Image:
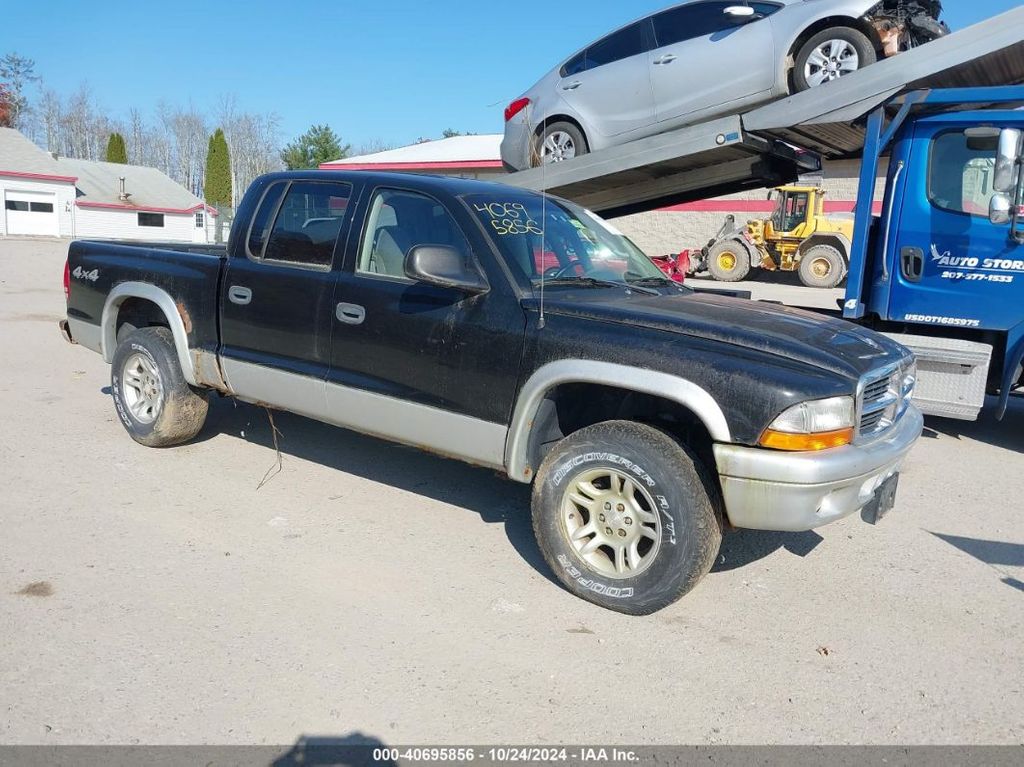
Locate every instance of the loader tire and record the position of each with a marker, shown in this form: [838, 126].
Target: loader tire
[729, 261]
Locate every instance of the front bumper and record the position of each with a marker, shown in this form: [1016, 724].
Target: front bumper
[774, 490]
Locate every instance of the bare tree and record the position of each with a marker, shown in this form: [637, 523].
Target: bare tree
[253, 141]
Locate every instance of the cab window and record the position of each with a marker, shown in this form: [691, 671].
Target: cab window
[960, 174]
[308, 223]
[400, 220]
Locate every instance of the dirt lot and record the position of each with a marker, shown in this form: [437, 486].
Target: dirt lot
[157, 596]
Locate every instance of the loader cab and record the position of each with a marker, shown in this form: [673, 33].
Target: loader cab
[794, 207]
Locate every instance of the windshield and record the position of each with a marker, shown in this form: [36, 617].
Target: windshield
[559, 240]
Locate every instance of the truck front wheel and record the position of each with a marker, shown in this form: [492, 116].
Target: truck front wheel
[822, 266]
[156, 405]
[626, 517]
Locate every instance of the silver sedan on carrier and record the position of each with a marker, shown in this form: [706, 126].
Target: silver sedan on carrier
[699, 60]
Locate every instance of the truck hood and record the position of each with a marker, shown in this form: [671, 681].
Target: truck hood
[824, 342]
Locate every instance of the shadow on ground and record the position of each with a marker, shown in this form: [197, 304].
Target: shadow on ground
[1008, 433]
[352, 750]
[996, 554]
[496, 499]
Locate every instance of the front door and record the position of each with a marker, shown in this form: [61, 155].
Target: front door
[951, 265]
[423, 364]
[277, 308]
[703, 58]
[609, 85]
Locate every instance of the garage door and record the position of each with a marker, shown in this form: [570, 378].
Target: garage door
[31, 213]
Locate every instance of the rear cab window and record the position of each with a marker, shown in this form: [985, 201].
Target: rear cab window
[307, 219]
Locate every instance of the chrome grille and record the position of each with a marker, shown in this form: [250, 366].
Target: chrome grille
[884, 396]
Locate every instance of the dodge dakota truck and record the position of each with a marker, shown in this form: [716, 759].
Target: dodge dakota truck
[517, 332]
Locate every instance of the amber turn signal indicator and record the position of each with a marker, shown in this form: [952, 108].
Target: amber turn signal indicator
[780, 440]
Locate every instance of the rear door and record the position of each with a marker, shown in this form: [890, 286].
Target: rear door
[705, 61]
[277, 305]
[609, 84]
[951, 265]
[416, 362]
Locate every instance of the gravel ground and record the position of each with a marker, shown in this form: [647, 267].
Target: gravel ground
[158, 596]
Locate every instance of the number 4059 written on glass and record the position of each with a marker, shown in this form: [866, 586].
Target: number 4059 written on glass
[509, 218]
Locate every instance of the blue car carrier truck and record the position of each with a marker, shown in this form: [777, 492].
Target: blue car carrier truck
[942, 269]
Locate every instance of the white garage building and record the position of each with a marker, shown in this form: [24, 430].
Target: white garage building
[48, 197]
[38, 195]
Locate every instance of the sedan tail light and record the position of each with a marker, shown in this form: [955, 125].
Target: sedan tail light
[516, 107]
[67, 281]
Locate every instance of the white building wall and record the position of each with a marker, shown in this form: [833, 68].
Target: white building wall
[65, 192]
[110, 224]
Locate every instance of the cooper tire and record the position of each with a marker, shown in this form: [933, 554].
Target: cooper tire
[822, 266]
[670, 494]
[858, 52]
[729, 261]
[555, 135]
[155, 404]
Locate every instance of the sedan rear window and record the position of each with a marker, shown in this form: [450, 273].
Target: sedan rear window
[617, 46]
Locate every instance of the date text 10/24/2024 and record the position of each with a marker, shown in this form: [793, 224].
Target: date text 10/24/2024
[595, 754]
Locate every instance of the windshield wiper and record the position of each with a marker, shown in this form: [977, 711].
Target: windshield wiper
[594, 282]
[652, 281]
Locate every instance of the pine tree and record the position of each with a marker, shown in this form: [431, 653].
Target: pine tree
[117, 150]
[318, 145]
[217, 189]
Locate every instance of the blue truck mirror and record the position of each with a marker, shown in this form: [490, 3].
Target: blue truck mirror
[1007, 159]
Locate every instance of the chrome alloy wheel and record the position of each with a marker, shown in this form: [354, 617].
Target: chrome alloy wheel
[557, 146]
[141, 388]
[611, 522]
[830, 61]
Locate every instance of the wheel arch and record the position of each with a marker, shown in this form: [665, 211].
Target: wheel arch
[860, 24]
[837, 240]
[137, 294]
[536, 413]
[560, 118]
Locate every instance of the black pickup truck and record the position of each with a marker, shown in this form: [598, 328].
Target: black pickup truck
[517, 332]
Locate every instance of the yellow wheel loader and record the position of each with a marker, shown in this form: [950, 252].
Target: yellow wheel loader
[797, 237]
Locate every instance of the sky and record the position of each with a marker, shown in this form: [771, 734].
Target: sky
[388, 70]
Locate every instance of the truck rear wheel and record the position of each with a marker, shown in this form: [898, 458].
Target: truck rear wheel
[822, 266]
[626, 517]
[157, 407]
[729, 261]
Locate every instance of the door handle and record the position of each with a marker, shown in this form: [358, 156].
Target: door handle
[239, 294]
[912, 263]
[668, 58]
[350, 314]
[572, 86]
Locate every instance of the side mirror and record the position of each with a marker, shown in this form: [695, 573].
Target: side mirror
[740, 12]
[999, 209]
[1007, 158]
[444, 267]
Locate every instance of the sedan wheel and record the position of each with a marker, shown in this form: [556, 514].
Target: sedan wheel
[557, 147]
[560, 141]
[830, 61]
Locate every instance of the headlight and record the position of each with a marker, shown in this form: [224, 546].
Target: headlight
[816, 425]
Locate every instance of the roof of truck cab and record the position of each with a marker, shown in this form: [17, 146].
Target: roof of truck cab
[450, 184]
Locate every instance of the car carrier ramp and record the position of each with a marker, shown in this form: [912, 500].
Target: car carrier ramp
[759, 148]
